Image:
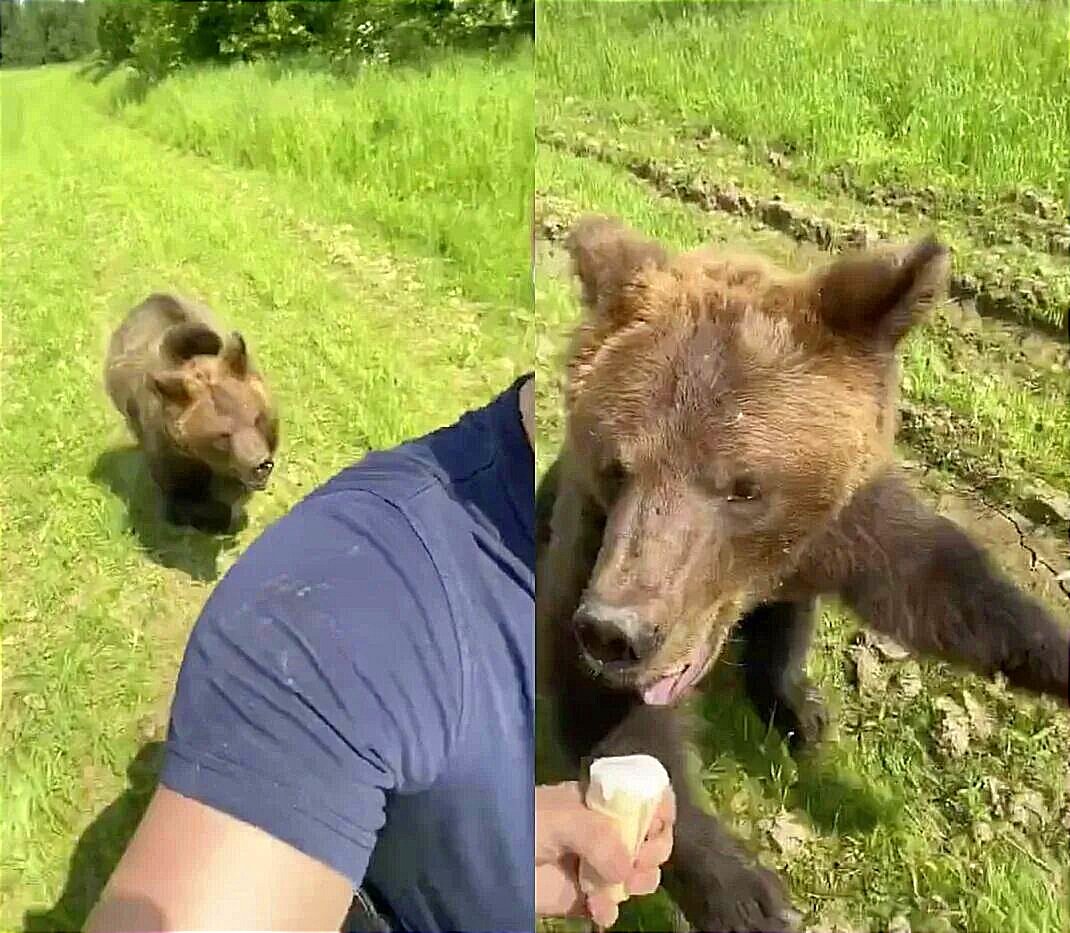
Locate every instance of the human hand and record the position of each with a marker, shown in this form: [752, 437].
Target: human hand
[566, 832]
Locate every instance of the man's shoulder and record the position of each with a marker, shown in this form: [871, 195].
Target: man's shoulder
[352, 536]
[385, 521]
[436, 462]
[392, 478]
[331, 641]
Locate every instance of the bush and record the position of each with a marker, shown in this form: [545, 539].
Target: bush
[158, 37]
[116, 31]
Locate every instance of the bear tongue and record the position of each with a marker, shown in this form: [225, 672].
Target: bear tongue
[668, 689]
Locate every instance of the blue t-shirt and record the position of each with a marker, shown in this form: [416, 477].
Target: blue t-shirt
[361, 683]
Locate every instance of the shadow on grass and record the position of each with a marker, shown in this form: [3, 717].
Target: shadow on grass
[100, 848]
[124, 474]
[133, 90]
[834, 798]
[96, 70]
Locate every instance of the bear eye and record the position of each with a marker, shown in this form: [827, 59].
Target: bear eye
[744, 489]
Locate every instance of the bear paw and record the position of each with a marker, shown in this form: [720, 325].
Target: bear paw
[737, 898]
[800, 715]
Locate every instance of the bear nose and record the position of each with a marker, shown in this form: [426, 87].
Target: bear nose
[614, 638]
[264, 468]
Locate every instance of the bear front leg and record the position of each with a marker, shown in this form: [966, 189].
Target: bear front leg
[187, 488]
[205, 514]
[916, 576]
[776, 640]
[709, 875]
[235, 496]
[568, 535]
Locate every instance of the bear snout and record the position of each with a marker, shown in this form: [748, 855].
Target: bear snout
[615, 641]
[260, 474]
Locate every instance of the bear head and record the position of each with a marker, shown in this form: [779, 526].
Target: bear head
[720, 413]
[215, 406]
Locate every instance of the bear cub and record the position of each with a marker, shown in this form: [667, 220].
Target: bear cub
[200, 411]
[729, 461]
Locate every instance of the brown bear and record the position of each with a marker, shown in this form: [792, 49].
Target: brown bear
[197, 406]
[728, 459]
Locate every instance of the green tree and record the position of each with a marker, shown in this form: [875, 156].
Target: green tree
[157, 37]
[117, 26]
[23, 36]
[41, 31]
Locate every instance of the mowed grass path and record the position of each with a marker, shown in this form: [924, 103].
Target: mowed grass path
[376, 312]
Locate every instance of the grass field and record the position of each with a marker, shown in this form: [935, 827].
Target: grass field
[964, 95]
[372, 242]
[942, 802]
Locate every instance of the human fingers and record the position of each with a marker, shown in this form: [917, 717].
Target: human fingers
[602, 908]
[666, 811]
[564, 824]
[657, 847]
[596, 839]
[644, 881]
[552, 804]
[655, 851]
[557, 890]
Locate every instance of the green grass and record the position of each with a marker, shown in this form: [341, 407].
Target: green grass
[967, 96]
[381, 301]
[446, 172]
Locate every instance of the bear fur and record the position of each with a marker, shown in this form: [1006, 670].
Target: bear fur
[728, 459]
[200, 411]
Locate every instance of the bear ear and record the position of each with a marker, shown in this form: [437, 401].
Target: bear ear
[607, 257]
[185, 341]
[235, 355]
[171, 386]
[881, 295]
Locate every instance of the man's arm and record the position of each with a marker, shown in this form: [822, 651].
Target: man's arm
[324, 672]
[192, 867]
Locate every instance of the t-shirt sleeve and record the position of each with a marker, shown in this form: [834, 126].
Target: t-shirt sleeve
[324, 671]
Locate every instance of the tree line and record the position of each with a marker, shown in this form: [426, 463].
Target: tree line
[159, 36]
[38, 33]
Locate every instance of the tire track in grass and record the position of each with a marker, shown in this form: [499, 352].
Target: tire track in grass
[1024, 215]
[1013, 297]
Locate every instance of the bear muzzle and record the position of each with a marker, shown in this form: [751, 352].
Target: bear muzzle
[260, 474]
